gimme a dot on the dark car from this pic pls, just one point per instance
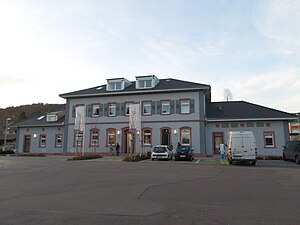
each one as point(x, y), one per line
point(184, 153)
point(292, 151)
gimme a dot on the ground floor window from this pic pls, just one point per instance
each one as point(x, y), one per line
point(185, 136)
point(269, 138)
point(94, 137)
point(111, 136)
point(58, 140)
point(42, 142)
point(78, 140)
point(147, 136)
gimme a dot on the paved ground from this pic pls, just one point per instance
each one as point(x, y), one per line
point(51, 190)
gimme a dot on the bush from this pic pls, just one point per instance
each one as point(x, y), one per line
point(136, 158)
point(7, 152)
point(85, 157)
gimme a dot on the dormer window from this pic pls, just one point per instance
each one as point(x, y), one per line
point(52, 118)
point(114, 86)
point(146, 82)
point(117, 84)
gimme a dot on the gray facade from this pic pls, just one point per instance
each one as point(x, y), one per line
point(172, 111)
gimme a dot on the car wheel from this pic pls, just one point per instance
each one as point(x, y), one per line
point(297, 160)
point(152, 159)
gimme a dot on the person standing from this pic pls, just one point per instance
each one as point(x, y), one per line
point(118, 149)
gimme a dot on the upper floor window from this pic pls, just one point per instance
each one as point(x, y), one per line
point(58, 140)
point(146, 108)
point(127, 104)
point(42, 141)
point(95, 110)
point(112, 109)
point(185, 106)
point(165, 107)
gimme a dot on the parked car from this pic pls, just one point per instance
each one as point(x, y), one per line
point(161, 152)
point(184, 153)
point(241, 147)
point(291, 151)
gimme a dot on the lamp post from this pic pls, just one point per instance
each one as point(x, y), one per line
point(5, 135)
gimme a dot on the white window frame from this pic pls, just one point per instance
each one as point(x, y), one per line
point(112, 109)
point(94, 138)
point(185, 106)
point(166, 103)
point(147, 133)
point(269, 135)
point(58, 140)
point(95, 107)
point(42, 142)
point(115, 85)
point(147, 83)
point(185, 133)
point(147, 105)
point(127, 104)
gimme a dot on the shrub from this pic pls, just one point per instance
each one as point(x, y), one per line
point(7, 152)
point(85, 157)
point(136, 158)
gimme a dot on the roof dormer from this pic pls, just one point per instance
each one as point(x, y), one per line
point(117, 84)
point(144, 82)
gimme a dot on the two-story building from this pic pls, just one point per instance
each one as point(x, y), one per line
point(171, 111)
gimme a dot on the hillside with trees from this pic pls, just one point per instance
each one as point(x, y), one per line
point(24, 112)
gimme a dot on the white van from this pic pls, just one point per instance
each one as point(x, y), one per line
point(241, 147)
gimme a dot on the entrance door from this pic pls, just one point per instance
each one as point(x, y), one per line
point(26, 146)
point(128, 142)
point(165, 136)
point(218, 138)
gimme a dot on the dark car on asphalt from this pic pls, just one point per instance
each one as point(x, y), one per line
point(184, 153)
point(292, 151)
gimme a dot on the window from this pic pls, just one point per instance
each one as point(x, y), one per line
point(234, 125)
point(146, 108)
point(147, 137)
point(165, 107)
point(127, 104)
point(94, 137)
point(95, 110)
point(78, 140)
point(58, 140)
point(111, 136)
point(225, 125)
point(250, 124)
point(185, 106)
point(259, 124)
point(113, 86)
point(42, 143)
point(112, 109)
point(269, 139)
point(185, 136)
point(145, 83)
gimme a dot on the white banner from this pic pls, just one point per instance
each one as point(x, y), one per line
point(134, 117)
point(79, 118)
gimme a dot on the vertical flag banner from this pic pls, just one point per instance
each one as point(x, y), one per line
point(79, 118)
point(134, 117)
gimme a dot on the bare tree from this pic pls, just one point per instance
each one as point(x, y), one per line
point(227, 94)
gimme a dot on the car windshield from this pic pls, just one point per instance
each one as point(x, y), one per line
point(183, 148)
point(159, 149)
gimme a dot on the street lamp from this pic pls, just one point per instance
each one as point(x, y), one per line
point(5, 135)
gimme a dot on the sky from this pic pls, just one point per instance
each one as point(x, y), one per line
point(249, 47)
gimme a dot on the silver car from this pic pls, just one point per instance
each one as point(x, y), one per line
point(161, 152)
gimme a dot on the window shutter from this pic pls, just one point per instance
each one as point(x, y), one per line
point(152, 107)
point(88, 110)
point(172, 107)
point(105, 109)
point(101, 113)
point(122, 109)
point(177, 106)
point(118, 109)
point(158, 107)
point(192, 102)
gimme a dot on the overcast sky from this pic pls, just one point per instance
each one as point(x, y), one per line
point(250, 47)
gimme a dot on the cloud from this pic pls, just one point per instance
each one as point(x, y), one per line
point(277, 88)
point(279, 21)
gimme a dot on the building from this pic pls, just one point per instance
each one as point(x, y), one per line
point(172, 111)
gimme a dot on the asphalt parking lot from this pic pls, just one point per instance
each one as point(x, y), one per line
point(52, 190)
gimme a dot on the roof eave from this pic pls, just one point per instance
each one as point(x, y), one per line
point(252, 119)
